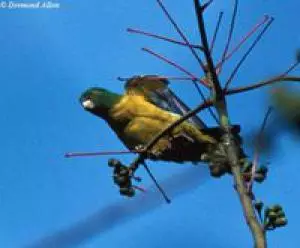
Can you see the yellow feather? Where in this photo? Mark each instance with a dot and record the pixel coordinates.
(144, 120)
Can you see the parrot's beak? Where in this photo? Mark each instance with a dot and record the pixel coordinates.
(88, 104)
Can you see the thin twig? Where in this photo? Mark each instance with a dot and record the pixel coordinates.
(258, 148)
(291, 68)
(235, 70)
(260, 84)
(90, 154)
(210, 65)
(229, 34)
(212, 44)
(193, 77)
(136, 31)
(181, 33)
(282, 77)
(161, 190)
(206, 5)
(204, 100)
(173, 78)
(244, 39)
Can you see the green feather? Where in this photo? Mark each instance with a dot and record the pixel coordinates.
(102, 99)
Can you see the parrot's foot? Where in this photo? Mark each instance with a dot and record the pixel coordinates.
(153, 154)
(158, 151)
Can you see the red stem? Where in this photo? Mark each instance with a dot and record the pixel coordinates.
(193, 77)
(136, 31)
(90, 154)
(181, 33)
(244, 39)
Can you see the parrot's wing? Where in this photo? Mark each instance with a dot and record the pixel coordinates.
(156, 91)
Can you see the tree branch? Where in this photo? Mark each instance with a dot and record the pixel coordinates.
(210, 68)
(258, 38)
(212, 44)
(181, 33)
(136, 31)
(219, 101)
(258, 85)
(193, 77)
(229, 34)
(244, 39)
(230, 145)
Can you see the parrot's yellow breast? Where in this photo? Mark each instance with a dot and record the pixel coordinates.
(144, 120)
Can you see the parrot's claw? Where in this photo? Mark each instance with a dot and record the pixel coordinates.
(140, 148)
(153, 154)
(158, 151)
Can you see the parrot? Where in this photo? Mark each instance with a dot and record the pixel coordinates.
(146, 108)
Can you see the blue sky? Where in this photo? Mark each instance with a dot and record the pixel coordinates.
(49, 57)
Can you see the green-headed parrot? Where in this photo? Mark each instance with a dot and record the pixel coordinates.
(147, 107)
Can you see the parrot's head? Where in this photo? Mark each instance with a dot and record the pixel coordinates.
(98, 101)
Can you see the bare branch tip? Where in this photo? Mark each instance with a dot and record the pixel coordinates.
(206, 5)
